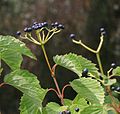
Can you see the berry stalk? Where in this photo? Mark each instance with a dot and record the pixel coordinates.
(53, 75)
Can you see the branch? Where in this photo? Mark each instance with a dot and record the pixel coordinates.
(52, 89)
(68, 85)
(2, 84)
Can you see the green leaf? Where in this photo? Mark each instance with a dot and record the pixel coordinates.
(54, 108)
(28, 106)
(116, 71)
(96, 109)
(89, 89)
(78, 102)
(67, 102)
(75, 63)
(28, 84)
(11, 50)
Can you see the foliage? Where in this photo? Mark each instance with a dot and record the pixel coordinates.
(94, 95)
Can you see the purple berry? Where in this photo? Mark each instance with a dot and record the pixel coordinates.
(72, 36)
(60, 26)
(113, 65)
(118, 89)
(18, 33)
(85, 72)
(53, 25)
(34, 23)
(25, 29)
(77, 109)
(102, 29)
(113, 88)
(29, 29)
(36, 27)
(68, 112)
(56, 24)
(45, 24)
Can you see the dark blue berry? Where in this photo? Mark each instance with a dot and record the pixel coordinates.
(113, 65)
(118, 89)
(72, 36)
(85, 72)
(35, 27)
(60, 26)
(53, 25)
(113, 88)
(35, 23)
(25, 29)
(29, 29)
(56, 24)
(45, 24)
(102, 29)
(18, 33)
(68, 112)
(40, 26)
(77, 109)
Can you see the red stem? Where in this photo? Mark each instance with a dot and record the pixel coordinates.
(52, 89)
(2, 84)
(117, 109)
(52, 71)
(67, 85)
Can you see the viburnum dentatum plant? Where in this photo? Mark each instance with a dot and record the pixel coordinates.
(94, 87)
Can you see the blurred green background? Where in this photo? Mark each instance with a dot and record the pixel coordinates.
(82, 17)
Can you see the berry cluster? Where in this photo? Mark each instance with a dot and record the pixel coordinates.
(68, 112)
(43, 31)
(37, 26)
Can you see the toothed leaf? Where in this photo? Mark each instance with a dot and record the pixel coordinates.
(89, 89)
(11, 51)
(75, 63)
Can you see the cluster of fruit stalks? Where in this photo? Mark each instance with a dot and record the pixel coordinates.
(44, 33)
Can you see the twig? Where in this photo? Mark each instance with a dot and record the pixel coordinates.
(67, 85)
